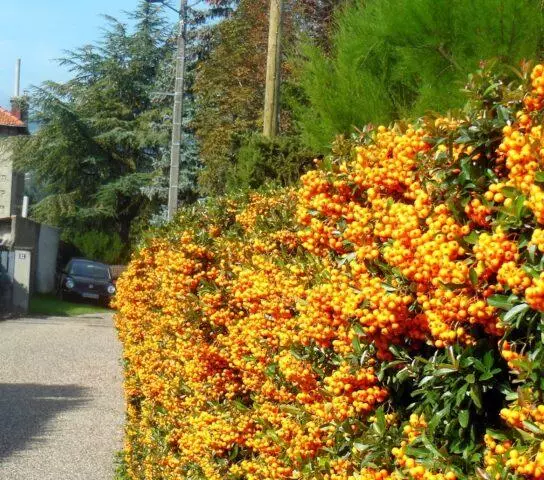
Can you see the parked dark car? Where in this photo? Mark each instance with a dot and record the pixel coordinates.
(85, 279)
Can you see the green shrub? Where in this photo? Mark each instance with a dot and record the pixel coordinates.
(98, 245)
(262, 160)
(401, 58)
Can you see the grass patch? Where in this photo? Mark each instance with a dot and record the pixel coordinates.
(51, 305)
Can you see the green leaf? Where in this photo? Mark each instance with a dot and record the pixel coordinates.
(356, 346)
(510, 192)
(271, 369)
(461, 393)
(360, 447)
(463, 139)
(379, 424)
(531, 250)
(464, 417)
(470, 378)
(485, 376)
(471, 238)
(403, 375)
(515, 311)
(476, 396)
(453, 286)
(478, 365)
(416, 452)
(430, 447)
(473, 277)
(488, 360)
(356, 327)
(500, 301)
(518, 206)
(496, 434)
(539, 177)
(426, 379)
(532, 427)
(529, 270)
(438, 416)
(444, 371)
(240, 406)
(503, 113)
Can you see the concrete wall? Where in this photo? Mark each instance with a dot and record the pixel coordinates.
(22, 280)
(28, 261)
(46, 262)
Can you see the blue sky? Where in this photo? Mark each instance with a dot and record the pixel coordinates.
(38, 31)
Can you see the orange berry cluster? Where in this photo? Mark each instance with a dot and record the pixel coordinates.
(514, 277)
(478, 212)
(209, 334)
(512, 357)
(253, 335)
(409, 466)
(525, 460)
(515, 416)
(535, 293)
(496, 453)
(538, 239)
(492, 251)
(527, 464)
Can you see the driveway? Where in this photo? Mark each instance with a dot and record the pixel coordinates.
(61, 400)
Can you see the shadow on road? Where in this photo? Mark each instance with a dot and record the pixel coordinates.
(26, 409)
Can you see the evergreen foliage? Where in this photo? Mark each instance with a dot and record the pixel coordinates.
(262, 160)
(230, 90)
(100, 160)
(201, 24)
(97, 143)
(402, 58)
(229, 84)
(98, 245)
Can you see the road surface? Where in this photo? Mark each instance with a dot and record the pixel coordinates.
(61, 401)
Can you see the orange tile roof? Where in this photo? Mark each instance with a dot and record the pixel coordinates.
(9, 120)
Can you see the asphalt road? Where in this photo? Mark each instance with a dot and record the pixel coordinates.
(61, 401)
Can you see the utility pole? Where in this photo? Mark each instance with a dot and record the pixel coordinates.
(177, 115)
(177, 118)
(273, 71)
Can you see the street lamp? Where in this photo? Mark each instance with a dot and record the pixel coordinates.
(177, 120)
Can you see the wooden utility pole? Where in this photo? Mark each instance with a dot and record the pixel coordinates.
(177, 122)
(273, 71)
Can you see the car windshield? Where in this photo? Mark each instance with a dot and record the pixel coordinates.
(91, 270)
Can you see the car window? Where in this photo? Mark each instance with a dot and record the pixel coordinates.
(91, 270)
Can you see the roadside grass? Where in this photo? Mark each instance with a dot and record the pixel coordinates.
(51, 305)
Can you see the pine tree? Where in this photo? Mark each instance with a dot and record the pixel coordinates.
(98, 140)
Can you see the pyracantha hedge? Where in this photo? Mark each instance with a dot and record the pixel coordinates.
(385, 320)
